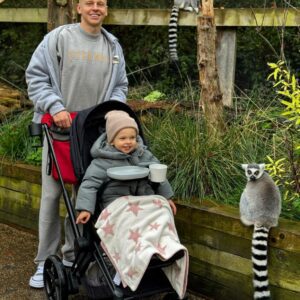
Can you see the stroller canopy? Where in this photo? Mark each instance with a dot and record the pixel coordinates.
(88, 125)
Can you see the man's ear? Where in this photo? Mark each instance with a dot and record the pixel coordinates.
(78, 8)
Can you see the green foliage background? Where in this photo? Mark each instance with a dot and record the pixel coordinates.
(146, 47)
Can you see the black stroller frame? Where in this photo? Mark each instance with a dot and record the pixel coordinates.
(61, 281)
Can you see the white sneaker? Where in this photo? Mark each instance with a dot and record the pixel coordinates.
(37, 280)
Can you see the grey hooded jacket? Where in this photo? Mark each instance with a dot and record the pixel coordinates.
(105, 157)
(43, 75)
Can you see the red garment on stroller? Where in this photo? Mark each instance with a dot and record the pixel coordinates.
(62, 150)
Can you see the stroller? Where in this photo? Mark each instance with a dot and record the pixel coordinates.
(60, 281)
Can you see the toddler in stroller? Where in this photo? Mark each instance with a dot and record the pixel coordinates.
(121, 146)
(136, 235)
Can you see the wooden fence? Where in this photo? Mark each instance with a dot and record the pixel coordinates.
(231, 17)
(219, 245)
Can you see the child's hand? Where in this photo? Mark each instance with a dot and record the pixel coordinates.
(173, 207)
(83, 217)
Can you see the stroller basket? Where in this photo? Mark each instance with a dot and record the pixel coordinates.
(62, 149)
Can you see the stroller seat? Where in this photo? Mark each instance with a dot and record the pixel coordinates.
(61, 282)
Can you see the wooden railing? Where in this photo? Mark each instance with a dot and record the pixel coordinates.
(231, 17)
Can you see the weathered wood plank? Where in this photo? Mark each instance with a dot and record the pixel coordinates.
(219, 283)
(221, 259)
(278, 277)
(20, 171)
(21, 186)
(18, 203)
(214, 239)
(226, 63)
(226, 219)
(231, 17)
(280, 260)
(23, 15)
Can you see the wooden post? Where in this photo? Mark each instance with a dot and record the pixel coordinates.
(211, 96)
(226, 62)
(60, 12)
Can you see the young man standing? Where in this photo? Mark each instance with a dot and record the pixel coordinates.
(75, 67)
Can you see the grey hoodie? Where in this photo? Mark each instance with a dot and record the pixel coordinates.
(44, 79)
(105, 157)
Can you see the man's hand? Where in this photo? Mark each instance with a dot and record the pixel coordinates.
(62, 119)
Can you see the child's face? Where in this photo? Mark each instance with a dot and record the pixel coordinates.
(125, 140)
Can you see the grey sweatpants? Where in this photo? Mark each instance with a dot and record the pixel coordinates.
(49, 219)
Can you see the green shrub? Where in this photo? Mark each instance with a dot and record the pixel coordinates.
(15, 143)
(200, 167)
(284, 161)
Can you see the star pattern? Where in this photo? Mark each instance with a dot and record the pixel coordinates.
(134, 235)
(117, 257)
(131, 272)
(161, 249)
(134, 208)
(105, 214)
(171, 227)
(138, 247)
(154, 226)
(158, 203)
(108, 228)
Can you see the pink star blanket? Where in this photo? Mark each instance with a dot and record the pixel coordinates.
(134, 228)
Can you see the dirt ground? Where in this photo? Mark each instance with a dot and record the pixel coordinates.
(17, 251)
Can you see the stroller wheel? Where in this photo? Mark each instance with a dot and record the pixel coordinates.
(55, 279)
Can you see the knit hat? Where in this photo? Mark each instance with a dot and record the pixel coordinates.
(117, 120)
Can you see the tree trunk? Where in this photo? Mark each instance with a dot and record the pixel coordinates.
(211, 96)
(60, 12)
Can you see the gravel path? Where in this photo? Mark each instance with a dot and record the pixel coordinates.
(17, 250)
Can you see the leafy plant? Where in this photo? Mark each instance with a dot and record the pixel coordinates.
(154, 96)
(285, 167)
(14, 139)
(288, 88)
(34, 156)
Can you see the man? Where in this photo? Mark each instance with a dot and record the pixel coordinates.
(76, 66)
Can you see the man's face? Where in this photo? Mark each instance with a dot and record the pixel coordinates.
(92, 12)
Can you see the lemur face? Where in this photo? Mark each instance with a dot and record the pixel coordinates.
(253, 171)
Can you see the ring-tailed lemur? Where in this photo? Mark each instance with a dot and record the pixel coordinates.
(189, 5)
(260, 205)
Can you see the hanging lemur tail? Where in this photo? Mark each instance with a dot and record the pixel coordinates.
(260, 263)
(173, 34)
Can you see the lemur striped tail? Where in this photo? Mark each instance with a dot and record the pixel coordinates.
(260, 263)
(173, 33)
